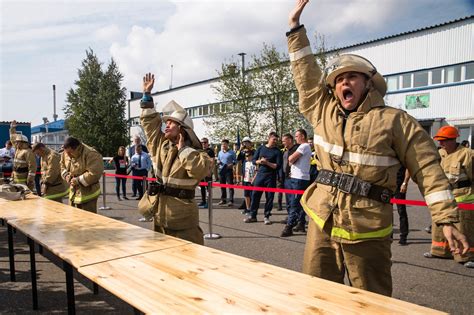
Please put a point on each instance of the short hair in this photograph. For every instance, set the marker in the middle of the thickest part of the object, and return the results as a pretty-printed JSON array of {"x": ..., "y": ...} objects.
[
  {"x": 303, "y": 132},
  {"x": 225, "y": 141},
  {"x": 72, "y": 143},
  {"x": 38, "y": 146},
  {"x": 288, "y": 135},
  {"x": 273, "y": 134},
  {"x": 8, "y": 142},
  {"x": 204, "y": 140}
]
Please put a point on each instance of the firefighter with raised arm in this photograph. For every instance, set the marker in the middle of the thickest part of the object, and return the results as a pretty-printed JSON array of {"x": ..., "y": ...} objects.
[
  {"x": 179, "y": 163},
  {"x": 360, "y": 144},
  {"x": 24, "y": 162}
]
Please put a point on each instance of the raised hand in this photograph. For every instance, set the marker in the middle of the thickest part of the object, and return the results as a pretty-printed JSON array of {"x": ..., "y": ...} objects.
[
  {"x": 148, "y": 82},
  {"x": 294, "y": 17},
  {"x": 13, "y": 124}
]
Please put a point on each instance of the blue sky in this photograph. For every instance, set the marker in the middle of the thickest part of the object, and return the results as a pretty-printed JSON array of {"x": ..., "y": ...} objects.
[{"x": 43, "y": 42}]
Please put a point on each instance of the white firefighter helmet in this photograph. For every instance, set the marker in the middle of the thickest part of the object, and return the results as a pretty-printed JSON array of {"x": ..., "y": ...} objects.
[
  {"x": 174, "y": 111},
  {"x": 14, "y": 191},
  {"x": 355, "y": 63}
]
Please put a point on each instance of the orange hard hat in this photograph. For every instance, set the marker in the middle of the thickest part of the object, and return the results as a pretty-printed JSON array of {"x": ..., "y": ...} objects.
[{"x": 446, "y": 132}]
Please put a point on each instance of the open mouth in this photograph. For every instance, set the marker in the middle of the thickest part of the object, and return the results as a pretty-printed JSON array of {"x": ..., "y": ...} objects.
[{"x": 347, "y": 95}]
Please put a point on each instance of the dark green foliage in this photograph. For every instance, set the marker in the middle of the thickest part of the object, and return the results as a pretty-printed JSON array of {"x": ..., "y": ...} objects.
[{"x": 95, "y": 109}]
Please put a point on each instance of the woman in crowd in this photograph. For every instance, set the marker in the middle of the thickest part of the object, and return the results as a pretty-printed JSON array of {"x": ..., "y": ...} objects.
[{"x": 121, "y": 164}]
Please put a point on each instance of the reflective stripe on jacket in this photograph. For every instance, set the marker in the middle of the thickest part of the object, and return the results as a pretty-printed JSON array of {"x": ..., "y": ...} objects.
[
  {"x": 56, "y": 186},
  {"x": 24, "y": 158},
  {"x": 179, "y": 169},
  {"x": 88, "y": 167},
  {"x": 369, "y": 143}
]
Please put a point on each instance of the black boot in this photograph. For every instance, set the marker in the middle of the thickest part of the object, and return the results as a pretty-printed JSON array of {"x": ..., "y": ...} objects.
[
  {"x": 403, "y": 241},
  {"x": 299, "y": 227},
  {"x": 287, "y": 231}
]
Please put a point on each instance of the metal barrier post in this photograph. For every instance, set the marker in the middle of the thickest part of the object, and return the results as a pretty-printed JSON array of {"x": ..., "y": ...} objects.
[
  {"x": 210, "y": 235},
  {"x": 104, "y": 191}
]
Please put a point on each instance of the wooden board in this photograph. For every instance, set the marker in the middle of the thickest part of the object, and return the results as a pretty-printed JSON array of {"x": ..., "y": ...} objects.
[
  {"x": 80, "y": 237},
  {"x": 197, "y": 279},
  {"x": 7, "y": 212}
]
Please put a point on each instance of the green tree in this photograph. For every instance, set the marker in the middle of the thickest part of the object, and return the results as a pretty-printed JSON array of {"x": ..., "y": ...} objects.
[
  {"x": 237, "y": 106},
  {"x": 95, "y": 109},
  {"x": 274, "y": 83}
]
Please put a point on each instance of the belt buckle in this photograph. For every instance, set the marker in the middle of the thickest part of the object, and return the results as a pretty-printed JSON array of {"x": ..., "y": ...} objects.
[{"x": 346, "y": 181}]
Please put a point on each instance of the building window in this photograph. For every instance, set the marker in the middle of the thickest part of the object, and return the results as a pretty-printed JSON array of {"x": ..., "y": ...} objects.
[
  {"x": 464, "y": 133},
  {"x": 420, "y": 79},
  {"x": 392, "y": 83},
  {"x": 452, "y": 74},
  {"x": 436, "y": 76},
  {"x": 205, "y": 110},
  {"x": 469, "y": 71},
  {"x": 406, "y": 81}
]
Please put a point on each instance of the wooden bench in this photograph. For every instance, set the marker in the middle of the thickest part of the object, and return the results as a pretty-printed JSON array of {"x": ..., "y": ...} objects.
[{"x": 156, "y": 273}]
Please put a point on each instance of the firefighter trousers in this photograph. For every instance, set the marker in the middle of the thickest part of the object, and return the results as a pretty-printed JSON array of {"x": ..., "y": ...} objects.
[
  {"x": 193, "y": 234},
  {"x": 366, "y": 263},
  {"x": 90, "y": 206}
]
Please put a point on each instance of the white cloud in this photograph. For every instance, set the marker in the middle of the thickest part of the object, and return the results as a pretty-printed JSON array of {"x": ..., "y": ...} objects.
[{"x": 107, "y": 33}]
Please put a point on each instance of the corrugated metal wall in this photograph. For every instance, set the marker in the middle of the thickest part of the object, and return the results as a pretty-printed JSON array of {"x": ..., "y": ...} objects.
[
  {"x": 449, "y": 44},
  {"x": 455, "y": 102}
]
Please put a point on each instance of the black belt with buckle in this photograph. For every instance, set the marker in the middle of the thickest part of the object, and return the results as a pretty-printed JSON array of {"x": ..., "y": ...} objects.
[
  {"x": 351, "y": 184},
  {"x": 462, "y": 184},
  {"x": 21, "y": 169},
  {"x": 155, "y": 188}
]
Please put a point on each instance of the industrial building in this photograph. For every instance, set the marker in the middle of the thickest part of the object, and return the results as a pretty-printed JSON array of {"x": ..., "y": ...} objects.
[{"x": 429, "y": 73}]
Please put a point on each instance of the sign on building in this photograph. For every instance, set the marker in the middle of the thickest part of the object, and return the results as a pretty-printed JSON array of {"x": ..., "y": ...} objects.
[{"x": 414, "y": 101}]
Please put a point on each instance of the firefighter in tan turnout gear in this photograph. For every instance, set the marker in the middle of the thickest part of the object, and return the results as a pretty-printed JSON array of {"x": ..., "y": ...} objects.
[
  {"x": 457, "y": 162},
  {"x": 24, "y": 162},
  {"x": 53, "y": 186},
  {"x": 360, "y": 144},
  {"x": 82, "y": 167},
  {"x": 179, "y": 163}
]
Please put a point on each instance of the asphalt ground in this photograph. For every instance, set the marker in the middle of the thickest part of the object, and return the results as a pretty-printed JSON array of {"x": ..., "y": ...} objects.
[{"x": 436, "y": 283}]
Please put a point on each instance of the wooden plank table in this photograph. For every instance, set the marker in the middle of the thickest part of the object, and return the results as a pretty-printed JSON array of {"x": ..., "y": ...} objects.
[
  {"x": 198, "y": 279},
  {"x": 77, "y": 237}
]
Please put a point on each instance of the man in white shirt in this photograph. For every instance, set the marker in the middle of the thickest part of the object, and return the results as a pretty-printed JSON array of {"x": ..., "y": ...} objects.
[
  {"x": 8, "y": 150},
  {"x": 299, "y": 180}
]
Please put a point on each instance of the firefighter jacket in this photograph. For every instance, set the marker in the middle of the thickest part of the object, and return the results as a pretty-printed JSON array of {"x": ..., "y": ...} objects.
[
  {"x": 369, "y": 143},
  {"x": 24, "y": 162},
  {"x": 458, "y": 168},
  {"x": 56, "y": 186},
  {"x": 88, "y": 167},
  {"x": 177, "y": 169}
]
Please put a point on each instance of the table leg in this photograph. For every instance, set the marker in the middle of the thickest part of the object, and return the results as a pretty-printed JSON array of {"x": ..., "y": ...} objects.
[
  {"x": 34, "y": 287},
  {"x": 71, "y": 307},
  {"x": 11, "y": 253},
  {"x": 40, "y": 249}
]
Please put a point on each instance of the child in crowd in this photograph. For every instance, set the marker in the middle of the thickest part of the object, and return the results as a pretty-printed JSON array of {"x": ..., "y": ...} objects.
[{"x": 250, "y": 171}]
